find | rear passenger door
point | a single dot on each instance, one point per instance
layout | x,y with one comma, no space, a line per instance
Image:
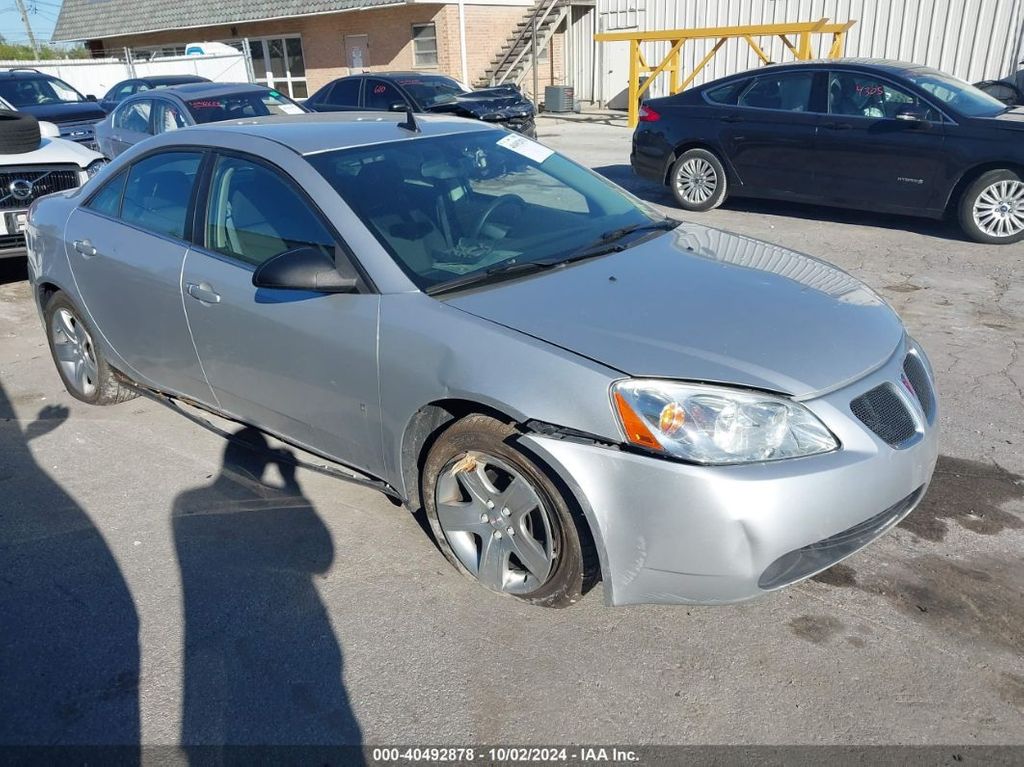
769,135
302,365
126,246
131,124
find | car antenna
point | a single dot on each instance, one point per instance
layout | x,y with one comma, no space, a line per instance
410,121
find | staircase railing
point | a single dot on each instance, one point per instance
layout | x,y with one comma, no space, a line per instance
500,72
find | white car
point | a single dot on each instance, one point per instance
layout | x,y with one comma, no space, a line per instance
26,174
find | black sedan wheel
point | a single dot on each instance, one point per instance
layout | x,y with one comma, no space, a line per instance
992,208
498,518
698,181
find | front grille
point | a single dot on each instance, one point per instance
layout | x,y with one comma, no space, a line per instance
916,373
8,241
815,557
884,412
43,181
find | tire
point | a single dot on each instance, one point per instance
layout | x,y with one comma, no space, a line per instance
992,208
81,366
19,132
698,181
479,445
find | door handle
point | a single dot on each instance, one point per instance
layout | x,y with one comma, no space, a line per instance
85,248
732,119
204,293
837,126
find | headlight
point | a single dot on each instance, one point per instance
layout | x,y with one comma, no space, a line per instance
717,425
94,167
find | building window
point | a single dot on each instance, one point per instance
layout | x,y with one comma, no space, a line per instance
424,45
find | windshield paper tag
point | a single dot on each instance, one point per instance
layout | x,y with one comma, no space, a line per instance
527,148
290,109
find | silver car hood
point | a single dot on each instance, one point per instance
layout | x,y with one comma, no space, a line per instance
703,305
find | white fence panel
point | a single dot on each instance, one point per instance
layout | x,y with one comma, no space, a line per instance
94,77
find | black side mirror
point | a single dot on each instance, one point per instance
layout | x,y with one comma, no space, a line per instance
90,97
304,268
913,116
398,106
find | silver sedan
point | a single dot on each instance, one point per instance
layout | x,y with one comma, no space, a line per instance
572,386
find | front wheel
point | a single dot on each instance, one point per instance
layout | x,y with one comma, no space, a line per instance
992,208
498,518
82,367
698,181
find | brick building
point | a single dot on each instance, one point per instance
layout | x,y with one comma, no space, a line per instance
297,46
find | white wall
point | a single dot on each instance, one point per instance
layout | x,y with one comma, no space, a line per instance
96,76
972,39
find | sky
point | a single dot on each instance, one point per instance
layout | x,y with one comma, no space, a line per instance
42,17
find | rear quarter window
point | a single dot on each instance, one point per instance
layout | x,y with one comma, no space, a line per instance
726,94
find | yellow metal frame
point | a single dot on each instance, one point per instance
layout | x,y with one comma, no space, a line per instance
800,46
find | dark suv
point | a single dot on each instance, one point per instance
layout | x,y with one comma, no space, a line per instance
47,98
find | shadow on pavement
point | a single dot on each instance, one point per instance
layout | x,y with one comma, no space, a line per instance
13,270
262,665
69,647
651,192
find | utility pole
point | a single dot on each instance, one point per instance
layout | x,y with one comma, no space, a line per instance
28,26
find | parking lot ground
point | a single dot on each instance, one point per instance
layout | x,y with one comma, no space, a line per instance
159,584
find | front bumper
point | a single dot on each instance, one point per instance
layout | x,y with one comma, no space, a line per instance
676,533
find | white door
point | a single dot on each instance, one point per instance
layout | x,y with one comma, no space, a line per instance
357,52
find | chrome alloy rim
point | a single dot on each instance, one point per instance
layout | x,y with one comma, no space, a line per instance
696,181
72,345
999,209
496,523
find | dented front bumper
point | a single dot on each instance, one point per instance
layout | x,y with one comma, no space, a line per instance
675,533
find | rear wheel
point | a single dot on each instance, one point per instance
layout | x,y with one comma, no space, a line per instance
82,368
698,181
992,208
498,518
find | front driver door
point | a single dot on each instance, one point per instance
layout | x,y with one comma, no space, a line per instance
869,158
302,365
126,247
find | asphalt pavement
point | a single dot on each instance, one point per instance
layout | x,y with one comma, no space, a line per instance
160,585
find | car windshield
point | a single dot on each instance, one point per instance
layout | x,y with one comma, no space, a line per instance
237,106
448,207
961,96
430,90
23,92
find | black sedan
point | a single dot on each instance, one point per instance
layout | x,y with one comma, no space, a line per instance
158,111
503,105
875,135
126,88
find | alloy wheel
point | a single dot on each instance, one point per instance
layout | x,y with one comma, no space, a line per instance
697,181
74,351
496,523
999,209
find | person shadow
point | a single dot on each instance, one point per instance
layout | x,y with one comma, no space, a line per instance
69,630
261,663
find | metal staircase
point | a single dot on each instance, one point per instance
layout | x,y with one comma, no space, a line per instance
512,61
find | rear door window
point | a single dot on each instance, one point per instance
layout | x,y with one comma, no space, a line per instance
345,93
167,117
788,92
158,192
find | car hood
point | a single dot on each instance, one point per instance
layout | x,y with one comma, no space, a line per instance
53,151
500,102
699,304
65,113
1012,118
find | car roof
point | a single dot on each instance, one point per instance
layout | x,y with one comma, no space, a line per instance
182,79
23,73
211,90
325,131
392,75
888,66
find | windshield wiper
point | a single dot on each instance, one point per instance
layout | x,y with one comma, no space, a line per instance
610,241
500,271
